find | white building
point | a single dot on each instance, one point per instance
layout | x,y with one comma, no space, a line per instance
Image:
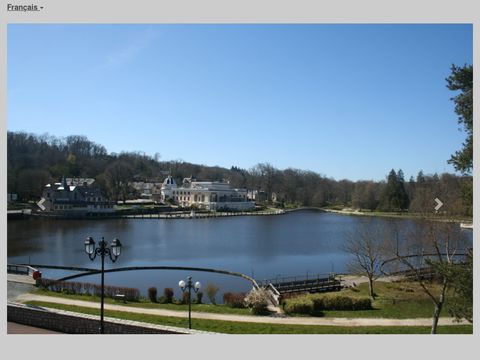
209,195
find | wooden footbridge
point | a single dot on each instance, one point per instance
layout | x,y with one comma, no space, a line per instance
296,284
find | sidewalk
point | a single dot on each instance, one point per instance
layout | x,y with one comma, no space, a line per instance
248,318
14,328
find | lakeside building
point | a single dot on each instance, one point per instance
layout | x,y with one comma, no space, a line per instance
209,195
74,196
150,190
257,196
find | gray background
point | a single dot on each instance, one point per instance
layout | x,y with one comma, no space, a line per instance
250,346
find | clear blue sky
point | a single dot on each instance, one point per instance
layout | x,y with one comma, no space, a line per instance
347,101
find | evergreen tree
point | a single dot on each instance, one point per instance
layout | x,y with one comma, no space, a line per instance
401,193
420,178
388,198
461,79
394,196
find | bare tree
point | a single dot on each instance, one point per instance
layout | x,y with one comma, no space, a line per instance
366,244
118,175
424,245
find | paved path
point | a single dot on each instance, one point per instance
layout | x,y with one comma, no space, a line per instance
15,289
14,328
354,280
22,279
247,318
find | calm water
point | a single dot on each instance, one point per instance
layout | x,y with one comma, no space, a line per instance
299,243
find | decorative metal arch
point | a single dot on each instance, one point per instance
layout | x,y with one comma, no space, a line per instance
90,271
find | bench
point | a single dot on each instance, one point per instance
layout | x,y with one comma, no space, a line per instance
120,297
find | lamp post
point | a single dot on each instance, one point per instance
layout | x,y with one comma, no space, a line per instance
188,285
113,252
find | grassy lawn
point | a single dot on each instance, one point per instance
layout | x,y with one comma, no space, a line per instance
398,300
230,327
208,308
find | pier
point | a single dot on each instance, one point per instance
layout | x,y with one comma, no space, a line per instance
202,215
296,284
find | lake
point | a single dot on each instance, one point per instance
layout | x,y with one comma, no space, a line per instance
298,243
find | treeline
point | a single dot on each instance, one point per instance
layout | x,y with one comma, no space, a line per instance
34,161
417,195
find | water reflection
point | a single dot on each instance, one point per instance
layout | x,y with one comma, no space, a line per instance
267,246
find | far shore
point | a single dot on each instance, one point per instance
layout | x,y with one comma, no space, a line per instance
191,214
406,215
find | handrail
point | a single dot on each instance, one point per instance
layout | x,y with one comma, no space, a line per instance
89,271
17,269
299,278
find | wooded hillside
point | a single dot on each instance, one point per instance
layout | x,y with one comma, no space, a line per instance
34,161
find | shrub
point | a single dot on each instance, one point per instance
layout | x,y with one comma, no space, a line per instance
66,287
199,297
185,297
110,291
337,303
211,290
152,294
97,290
44,283
168,293
316,304
131,294
364,303
257,301
87,288
234,300
341,302
77,287
300,305
57,286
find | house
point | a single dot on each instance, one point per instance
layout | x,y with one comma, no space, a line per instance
148,189
209,195
257,196
74,196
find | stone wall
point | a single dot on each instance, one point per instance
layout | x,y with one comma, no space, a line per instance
74,323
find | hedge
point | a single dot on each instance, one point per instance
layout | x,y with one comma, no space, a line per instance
79,288
316,304
300,305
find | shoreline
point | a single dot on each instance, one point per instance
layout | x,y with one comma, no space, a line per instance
397,215
185,214
192,214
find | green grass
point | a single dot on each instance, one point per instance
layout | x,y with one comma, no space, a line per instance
230,327
396,300
399,300
207,308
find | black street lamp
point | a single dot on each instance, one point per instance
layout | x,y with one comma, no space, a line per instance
113,252
188,285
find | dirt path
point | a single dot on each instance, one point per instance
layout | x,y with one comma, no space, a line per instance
355,280
247,318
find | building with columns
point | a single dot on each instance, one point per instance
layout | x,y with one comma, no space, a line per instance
209,195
